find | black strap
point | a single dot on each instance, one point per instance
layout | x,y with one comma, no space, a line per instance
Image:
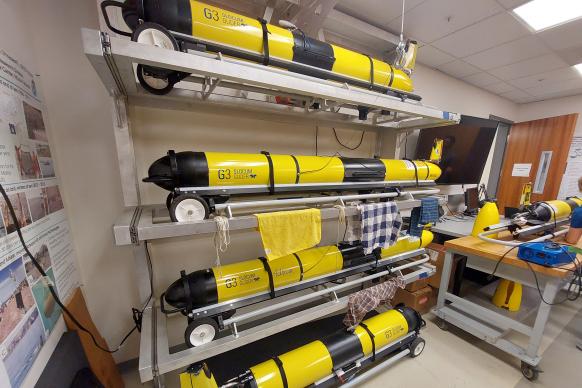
427,169
266,57
174,168
270,274
271,172
391,75
365,327
415,169
377,252
298,171
281,371
187,291
371,72
300,266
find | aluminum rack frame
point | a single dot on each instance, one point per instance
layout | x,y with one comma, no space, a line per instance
218,82
156,358
143,223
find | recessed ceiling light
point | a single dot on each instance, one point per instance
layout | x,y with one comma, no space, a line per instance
542,14
579,67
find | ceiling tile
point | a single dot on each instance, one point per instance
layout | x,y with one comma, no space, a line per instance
433,57
508,53
500,87
458,69
481,79
434,19
546,79
529,67
572,56
556,87
376,12
565,93
511,4
488,33
563,36
516,95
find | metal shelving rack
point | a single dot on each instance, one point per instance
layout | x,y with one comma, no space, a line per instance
226,82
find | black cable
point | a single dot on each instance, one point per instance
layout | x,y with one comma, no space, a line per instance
577,280
405,144
324,166
316,137
345,146
501,259
54,293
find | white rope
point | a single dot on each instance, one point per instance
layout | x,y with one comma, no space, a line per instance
221,237
341,214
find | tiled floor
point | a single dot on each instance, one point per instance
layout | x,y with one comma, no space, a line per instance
454,358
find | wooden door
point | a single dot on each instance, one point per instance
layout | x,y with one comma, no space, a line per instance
525,144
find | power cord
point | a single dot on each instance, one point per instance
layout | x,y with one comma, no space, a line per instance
345,146
137,314
577,280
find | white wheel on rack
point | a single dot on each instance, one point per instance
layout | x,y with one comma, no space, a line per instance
188,208
200,331
154,34
416,347
155,80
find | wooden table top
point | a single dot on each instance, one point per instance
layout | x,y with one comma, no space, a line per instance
474,246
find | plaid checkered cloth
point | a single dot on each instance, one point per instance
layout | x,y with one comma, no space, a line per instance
381,223
428,212
362,302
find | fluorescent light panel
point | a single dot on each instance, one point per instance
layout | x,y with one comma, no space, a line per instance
542,14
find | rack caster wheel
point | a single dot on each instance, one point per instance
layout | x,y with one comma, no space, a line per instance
154,79
200,331
529,372
442,324
416,347
188,207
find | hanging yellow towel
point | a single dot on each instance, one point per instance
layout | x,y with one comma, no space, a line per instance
284,233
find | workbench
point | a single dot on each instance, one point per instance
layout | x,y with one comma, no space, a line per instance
490,323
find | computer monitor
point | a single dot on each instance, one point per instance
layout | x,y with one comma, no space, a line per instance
465,148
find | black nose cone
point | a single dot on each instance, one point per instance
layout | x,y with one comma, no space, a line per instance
202,290
181,169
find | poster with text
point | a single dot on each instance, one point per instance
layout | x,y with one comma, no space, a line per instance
28,311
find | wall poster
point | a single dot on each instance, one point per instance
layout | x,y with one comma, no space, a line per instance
28,312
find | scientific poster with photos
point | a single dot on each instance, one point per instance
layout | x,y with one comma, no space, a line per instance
28,312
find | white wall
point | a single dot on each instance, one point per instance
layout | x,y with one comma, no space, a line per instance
16,43
550,108
83,147
447,93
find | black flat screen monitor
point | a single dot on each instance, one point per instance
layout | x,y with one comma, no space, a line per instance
465,148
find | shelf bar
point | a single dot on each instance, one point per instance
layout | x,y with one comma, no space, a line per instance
317,200
305,298
124,53
144,228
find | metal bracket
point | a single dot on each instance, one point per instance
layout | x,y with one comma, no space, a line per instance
110,62
208,87
133,230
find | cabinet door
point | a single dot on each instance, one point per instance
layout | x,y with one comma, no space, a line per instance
542,147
